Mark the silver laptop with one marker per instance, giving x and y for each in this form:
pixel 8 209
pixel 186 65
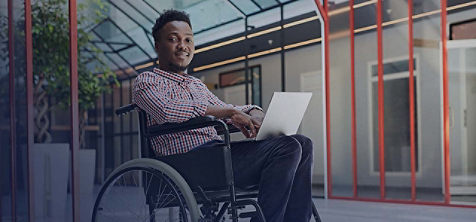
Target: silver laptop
pixel 284 115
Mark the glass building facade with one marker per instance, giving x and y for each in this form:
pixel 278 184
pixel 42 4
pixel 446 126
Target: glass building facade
pixel 391 118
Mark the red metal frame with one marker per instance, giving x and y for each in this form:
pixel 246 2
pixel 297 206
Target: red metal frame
pixel 324 11
pixel 29 102
pixel 442 204
pixel 411 91
pixel 381 118
pixel 74 113
pixel 11 70
pixel 446 129
pixel 446 154
pixel 352 73
pixel 328 102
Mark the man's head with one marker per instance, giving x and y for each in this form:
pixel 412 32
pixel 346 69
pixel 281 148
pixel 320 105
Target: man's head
pixel 173 38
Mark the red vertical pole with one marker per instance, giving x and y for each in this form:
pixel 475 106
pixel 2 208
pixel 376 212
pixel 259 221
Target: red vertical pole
pixel 411 95
pixel 352 73
pixel 29 102
pixel 73 37
pixel 380 100
pixel 446 132
pixel 328 108
pixel 11 69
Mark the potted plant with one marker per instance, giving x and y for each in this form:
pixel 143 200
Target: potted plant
pixel 50 33
pixel 51 62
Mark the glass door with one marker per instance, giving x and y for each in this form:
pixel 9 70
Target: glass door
pixel 462 117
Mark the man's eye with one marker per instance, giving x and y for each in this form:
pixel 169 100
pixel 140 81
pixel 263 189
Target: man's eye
pixel 189 40
pixel 173 39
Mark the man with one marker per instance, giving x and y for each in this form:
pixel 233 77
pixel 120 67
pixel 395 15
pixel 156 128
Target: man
pixel 281 166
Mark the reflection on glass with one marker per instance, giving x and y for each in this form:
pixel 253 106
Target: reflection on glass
pixel 340 104
pixel 236 78
pixel 463 30
pixel 397 129
pixel 396 106
pixel 426 38
pixel 21 176
pixel 5 190
pixel 462 107
pixel 368 181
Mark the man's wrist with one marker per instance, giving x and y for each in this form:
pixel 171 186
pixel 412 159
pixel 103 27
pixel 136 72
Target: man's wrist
pixel 231 112
pixel 255 111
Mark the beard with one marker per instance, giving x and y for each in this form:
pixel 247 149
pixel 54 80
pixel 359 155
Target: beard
pixel 177 68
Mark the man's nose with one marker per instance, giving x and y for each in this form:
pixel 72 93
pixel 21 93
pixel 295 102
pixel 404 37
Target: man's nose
pixel 181 45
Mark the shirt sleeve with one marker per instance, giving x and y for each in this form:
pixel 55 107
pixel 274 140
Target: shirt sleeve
pixel 151 97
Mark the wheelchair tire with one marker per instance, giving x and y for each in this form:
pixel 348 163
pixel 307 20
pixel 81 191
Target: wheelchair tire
pixel 127 194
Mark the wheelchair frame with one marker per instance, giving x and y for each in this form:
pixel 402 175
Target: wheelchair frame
pixel 173 167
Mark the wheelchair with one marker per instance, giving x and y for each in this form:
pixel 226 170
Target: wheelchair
pixel 196 186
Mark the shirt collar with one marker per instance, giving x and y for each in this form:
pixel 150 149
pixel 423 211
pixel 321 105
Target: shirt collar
pixel 172 76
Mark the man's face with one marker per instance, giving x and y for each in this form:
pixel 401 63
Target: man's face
pixel 175 46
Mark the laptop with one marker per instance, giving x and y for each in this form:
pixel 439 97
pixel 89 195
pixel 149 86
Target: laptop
pixel 284 115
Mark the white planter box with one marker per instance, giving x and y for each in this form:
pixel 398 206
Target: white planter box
pixel 50 166
pixel 87 165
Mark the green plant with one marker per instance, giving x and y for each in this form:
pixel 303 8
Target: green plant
pixel 50 32
pixel 51 53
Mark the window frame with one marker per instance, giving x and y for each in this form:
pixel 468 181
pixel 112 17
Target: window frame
pixel 392 76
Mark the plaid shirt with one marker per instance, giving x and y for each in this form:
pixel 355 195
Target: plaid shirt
pixel 170 97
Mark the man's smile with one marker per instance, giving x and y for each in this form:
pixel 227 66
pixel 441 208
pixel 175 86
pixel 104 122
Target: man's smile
pixel 182 54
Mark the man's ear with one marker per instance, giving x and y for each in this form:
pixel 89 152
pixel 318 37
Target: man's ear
pixel 156 47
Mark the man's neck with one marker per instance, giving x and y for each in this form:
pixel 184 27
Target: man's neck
pixel 170 70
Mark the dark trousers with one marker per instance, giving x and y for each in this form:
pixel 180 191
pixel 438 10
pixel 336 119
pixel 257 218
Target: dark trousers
pixel 282 168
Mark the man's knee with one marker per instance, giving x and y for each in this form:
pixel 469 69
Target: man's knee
pixel 306 144
pixel 290 146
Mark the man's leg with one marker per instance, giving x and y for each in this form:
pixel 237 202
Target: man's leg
pixel 272 165
pixel 299 204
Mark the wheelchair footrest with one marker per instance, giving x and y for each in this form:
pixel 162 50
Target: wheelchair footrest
pixel 247 214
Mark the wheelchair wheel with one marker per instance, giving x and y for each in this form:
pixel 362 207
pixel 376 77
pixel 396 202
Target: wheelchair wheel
pixel 145 190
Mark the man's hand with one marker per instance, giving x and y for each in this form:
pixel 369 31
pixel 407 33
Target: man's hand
pixel 248 126
pixel 257 115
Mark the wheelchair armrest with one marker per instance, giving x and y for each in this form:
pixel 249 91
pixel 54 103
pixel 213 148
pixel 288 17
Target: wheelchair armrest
pixel 195 123
pixel 231 129
pixel 125 109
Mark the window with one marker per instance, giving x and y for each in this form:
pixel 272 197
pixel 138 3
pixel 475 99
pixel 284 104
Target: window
pixel 463 30
pixel 238 79
pixel 396 116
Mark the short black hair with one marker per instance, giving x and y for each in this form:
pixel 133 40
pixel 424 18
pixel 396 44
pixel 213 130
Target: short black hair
pixel 169 16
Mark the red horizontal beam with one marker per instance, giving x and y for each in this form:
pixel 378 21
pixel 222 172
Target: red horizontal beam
pixel 442 204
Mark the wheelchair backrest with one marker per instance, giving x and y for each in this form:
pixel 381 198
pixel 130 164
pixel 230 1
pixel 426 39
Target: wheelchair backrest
pixel 146 148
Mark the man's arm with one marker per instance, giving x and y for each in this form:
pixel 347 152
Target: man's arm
pixel 248 126
pixel 240 116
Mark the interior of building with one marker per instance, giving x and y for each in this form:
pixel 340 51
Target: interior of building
pixel 393 86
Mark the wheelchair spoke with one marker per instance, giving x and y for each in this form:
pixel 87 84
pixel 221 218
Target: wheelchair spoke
pixel 149 182
pixel 125 201
pixel 153 198
pixel 169 201
pixel 117 192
